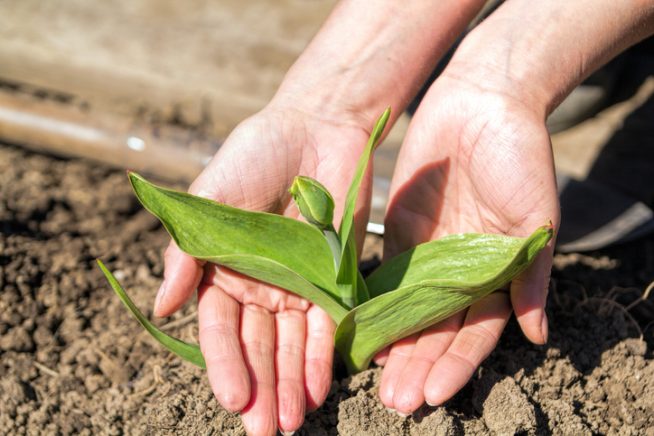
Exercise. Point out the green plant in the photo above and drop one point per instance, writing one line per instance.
(410, 292)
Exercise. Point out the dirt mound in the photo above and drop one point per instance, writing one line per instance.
(72, 360)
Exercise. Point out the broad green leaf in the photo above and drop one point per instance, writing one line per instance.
(362, 288)
(347, 272)
(446, 276)
(288, 253)
(190, 352)
(451, 257)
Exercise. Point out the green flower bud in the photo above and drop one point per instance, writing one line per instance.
(314, 201)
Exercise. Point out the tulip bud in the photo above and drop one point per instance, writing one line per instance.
(314, 201)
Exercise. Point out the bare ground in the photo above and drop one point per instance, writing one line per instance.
(73, 361)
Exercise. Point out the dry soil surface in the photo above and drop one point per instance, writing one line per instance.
(73, 361)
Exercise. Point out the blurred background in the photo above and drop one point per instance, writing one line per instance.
(157, 85)
(125, 76)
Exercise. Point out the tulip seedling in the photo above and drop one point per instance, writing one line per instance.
(312, 259)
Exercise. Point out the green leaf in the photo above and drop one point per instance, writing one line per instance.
(451, 257)
(190, 352)
(433, 281)
(347, 272)
(278, 250)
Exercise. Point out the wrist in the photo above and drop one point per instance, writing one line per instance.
(484, 68)
(365, 59)
(327, 101)
(537, 52)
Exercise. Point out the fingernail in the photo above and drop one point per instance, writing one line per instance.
(544, 327)
(402, 414)
(390, 409)
(160, 294)
(288, 433)
(430, 404)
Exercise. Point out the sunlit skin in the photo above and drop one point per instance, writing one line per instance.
(484, 167)
(477, 157)
(268, 352)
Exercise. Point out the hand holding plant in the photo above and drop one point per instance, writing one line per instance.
(414, 290)
(241, 317)
(472, 161)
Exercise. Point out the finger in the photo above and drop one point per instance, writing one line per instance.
(182, 274)
(251, 291)
(319, 357)
(382, 357)
(218, 317)
(529, 295)
(482, 328)
(433, 342)
(289, 356)
(258, 342)
(397, 358)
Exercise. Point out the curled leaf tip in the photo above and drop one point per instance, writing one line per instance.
(130, 173)
(133, 175)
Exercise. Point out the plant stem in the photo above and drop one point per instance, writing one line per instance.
(334, 243)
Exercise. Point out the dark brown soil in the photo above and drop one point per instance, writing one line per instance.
(73, 361)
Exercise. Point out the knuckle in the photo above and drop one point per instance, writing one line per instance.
(421, 359)
(320, 332)
(402, 352)
(294, 351)
(218, 329)
(290, 314)
(463, 360)
(257, 348)
(218, 359)
(290, 389)
(482, 334)
(473, 345)
(219, 344)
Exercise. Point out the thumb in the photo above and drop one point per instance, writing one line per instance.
(529, 295)
(182, 274)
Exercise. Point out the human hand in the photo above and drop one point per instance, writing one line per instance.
(478, 158)
(474, 160)
(268, 352)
